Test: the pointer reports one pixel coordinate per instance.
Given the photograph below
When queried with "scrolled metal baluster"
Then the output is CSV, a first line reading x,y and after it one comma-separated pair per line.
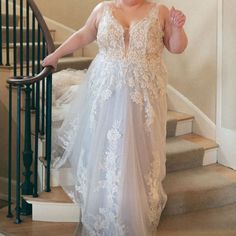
x,y
27,186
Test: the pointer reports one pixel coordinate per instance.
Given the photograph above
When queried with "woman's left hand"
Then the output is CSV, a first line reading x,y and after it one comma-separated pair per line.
x,y
177,18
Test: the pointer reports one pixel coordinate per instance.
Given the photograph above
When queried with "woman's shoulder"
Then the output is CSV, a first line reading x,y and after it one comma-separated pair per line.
x,y
101,5
163,12
163,8
98,10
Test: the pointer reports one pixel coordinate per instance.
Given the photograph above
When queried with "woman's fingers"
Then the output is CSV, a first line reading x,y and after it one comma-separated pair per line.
x,y
177,17
50,60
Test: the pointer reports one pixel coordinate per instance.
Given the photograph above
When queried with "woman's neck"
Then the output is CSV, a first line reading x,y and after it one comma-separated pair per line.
x,y
129,3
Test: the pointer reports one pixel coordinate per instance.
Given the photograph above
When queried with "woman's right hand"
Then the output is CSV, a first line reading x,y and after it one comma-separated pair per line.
x,y
50,60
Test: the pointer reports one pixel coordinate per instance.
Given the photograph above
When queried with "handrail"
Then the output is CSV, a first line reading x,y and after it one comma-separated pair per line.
x,y
24,80
50,46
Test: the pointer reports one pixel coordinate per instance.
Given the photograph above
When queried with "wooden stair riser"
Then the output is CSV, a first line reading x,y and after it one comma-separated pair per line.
x,y
11,20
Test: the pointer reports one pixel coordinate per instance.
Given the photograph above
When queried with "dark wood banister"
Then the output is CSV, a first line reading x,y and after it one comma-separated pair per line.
x,y
50,47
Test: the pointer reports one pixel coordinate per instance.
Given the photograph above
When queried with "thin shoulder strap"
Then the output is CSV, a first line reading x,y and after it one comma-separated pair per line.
x,y
155,10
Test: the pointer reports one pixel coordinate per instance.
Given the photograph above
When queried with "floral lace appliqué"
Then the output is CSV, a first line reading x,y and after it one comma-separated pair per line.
x,y
155,196
108,217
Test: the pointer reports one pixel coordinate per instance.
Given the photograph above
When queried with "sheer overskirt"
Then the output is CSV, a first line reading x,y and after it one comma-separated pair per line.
x,y
112,140
116,164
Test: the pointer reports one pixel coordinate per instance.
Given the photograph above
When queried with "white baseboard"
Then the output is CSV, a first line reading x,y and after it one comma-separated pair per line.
x,y
202,125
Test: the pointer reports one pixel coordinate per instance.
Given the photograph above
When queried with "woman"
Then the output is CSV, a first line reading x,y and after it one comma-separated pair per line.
x,y
114,136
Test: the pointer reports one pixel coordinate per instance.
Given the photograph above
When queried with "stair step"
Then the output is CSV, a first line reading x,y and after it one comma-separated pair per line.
x,y
178,123
57,195
189,151
204,142
218,221
199,188
47,205
181,159
188,191
11,20
18,49
11,34
77,63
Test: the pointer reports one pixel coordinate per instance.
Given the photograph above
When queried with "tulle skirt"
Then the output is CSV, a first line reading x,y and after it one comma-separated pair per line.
x,y
116,163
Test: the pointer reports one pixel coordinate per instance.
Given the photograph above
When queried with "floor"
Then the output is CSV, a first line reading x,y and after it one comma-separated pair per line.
x,y
212,222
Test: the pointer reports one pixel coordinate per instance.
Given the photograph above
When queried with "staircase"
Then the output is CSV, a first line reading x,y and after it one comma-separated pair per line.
x,y
194,180
24,41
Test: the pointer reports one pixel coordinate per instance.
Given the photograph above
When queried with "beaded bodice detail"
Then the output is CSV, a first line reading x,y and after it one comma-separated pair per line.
x,y
143,40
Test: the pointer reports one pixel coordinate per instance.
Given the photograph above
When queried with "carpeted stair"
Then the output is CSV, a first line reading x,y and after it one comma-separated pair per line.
x,y
183,154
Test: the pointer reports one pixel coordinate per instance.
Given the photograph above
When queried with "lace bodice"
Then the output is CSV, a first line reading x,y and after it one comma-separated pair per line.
x,y
132,63
143,40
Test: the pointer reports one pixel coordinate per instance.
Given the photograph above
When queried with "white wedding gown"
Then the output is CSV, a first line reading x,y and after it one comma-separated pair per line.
x,y
113,135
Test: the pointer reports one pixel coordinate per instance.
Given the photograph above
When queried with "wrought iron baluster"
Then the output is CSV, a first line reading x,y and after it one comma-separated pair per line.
x,y
27,186
9,214
33,62
27,39
42,129
18,155
7,35
48,129
14,39
21,38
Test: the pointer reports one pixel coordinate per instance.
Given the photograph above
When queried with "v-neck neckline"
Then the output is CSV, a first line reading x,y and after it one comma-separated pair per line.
x,y
132,25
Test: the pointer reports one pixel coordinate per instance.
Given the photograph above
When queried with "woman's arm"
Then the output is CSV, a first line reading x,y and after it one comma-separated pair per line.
x,y
79,39
175,38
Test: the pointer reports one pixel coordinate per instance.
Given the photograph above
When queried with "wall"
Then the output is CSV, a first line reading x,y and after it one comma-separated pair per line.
x,y
229,68
194,73
72,13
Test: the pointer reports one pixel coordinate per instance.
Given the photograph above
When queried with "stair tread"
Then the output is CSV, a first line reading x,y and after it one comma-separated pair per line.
x,y
57,195
206,143
214,176
219,221
11,45
179,116
74,59
24,28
